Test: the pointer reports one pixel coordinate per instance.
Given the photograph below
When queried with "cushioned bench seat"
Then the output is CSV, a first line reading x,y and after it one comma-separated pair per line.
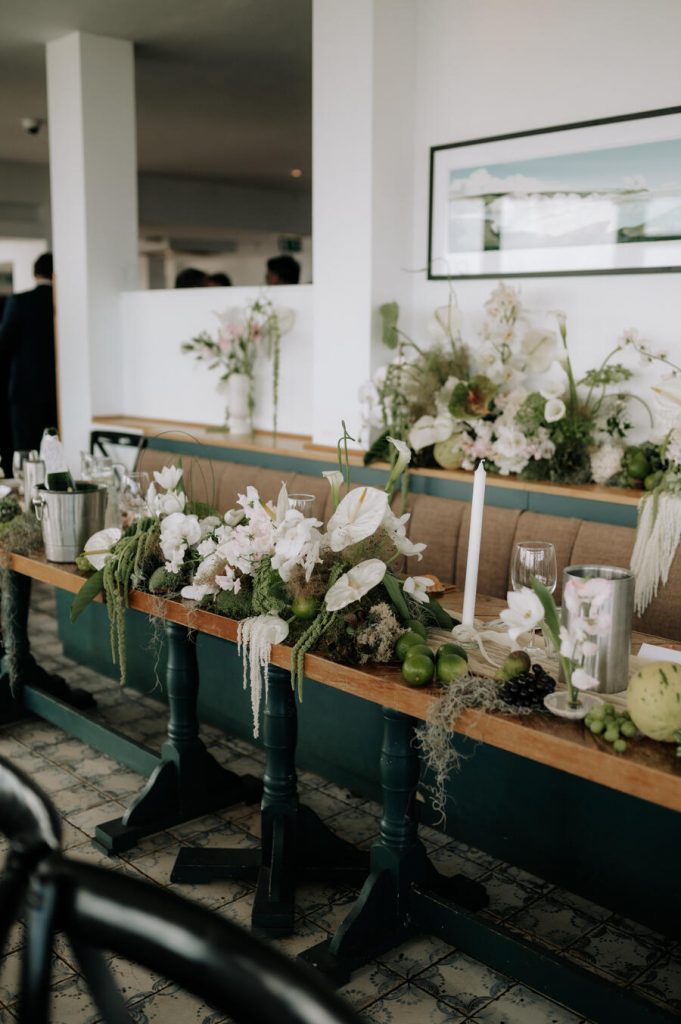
x,y
442,524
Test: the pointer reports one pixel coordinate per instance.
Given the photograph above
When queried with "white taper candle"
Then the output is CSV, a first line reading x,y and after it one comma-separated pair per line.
x,y
474,538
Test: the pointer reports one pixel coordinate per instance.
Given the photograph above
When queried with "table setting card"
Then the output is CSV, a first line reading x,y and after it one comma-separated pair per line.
x,y
651,652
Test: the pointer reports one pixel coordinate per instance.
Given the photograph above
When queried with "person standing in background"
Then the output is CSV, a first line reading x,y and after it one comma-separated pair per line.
x,y
5,423
282,270
27,348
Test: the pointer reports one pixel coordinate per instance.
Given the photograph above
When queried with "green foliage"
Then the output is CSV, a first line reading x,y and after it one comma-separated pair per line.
x,y
396,596
379,451
163,582
9,508
234,606
530,415
269,593
390,312
570,462
202,509
20,535
602,376
87,593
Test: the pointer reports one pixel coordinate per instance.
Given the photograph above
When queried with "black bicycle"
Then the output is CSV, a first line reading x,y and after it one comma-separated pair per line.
x,y
100,910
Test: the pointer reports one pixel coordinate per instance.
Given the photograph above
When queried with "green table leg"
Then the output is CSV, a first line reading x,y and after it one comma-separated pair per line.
x,y
189,781
295,843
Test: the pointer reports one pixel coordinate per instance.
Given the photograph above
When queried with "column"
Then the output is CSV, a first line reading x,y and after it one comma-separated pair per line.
x,y
93,171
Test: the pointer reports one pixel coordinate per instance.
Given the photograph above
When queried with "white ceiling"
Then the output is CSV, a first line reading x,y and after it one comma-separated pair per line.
x,y
223,86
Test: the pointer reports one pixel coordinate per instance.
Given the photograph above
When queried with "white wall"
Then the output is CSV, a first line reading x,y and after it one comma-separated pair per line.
x,y
488,67
161,382
22,253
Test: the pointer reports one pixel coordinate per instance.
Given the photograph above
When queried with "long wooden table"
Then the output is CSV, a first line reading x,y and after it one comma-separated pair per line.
x,y
402,892
649,771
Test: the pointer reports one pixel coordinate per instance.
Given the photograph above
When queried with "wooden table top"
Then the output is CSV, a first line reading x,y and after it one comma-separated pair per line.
x,y
649,771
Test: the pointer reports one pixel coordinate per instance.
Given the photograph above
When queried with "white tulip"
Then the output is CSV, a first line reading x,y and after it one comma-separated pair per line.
x,y
169,477
417,587
524,612
353,585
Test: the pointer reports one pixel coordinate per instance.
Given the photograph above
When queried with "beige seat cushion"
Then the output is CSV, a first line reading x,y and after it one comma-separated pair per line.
x,y
435,522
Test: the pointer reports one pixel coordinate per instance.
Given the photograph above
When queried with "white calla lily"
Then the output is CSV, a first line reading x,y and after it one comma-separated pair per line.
x,y
335,478
554,410
357,517
353,585
524,612
403,454
98,547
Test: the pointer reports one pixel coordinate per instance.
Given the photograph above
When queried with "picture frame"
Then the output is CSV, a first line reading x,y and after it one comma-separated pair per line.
x,y
591,197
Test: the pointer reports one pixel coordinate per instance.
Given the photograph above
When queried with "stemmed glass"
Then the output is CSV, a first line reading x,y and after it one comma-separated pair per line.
x,y
18,459
530,559
304,503
133,498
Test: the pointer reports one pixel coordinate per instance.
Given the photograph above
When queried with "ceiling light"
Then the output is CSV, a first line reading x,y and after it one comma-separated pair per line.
x,y
296,172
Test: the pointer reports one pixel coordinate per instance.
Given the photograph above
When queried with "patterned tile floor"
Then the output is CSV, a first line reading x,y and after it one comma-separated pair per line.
x,y
423,982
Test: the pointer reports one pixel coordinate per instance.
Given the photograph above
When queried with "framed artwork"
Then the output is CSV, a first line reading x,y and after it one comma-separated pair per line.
x,y
598,197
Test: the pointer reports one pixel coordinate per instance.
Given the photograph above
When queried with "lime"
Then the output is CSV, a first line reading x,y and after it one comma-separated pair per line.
x,y
637,464
420,649
406,641
608,709
305,607
598,711
457,649
652,480
451,667
417,627
417,671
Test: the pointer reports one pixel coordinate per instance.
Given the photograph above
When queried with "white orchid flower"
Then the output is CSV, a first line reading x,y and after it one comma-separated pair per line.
x,y
297,543
396,528
539,348
229,580
233,517
178,532
582,680
429,430
353,585
98,547
417,587
554,410
357,517
524,612
335,478
169,477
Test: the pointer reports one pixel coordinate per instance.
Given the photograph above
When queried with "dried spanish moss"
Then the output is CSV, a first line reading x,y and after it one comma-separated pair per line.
x,y
434,738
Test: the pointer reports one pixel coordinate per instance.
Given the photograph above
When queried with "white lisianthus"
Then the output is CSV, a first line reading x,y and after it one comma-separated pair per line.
x,y
335,479
207,547
297,543
396,528
430,429
524,612
353,585
539,348
98,547
606,462
417,587
357,517
554,410
168,478
510,450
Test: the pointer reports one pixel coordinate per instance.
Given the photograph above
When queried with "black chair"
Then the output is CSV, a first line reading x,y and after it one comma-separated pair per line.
x,y
98,910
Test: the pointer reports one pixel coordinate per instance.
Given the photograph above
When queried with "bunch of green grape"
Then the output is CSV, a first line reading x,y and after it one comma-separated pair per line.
x,y
613,726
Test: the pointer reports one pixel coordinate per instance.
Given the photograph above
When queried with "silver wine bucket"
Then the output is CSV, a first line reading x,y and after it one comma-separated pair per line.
x,y
69,518
610,661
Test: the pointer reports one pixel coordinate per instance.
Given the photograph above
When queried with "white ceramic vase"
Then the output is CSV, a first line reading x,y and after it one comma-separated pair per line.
x,y
237,388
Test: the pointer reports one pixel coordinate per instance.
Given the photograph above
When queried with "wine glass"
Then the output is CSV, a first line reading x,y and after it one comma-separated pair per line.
x,y
133,498
534,558
18,459
304,503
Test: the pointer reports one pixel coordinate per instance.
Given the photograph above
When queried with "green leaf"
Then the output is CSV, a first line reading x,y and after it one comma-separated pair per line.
x,y
390,312
394,589
441,616
550,613
379,451
87,593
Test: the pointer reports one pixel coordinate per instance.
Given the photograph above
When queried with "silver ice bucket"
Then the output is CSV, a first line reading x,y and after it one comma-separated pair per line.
x,y
69,518
609,661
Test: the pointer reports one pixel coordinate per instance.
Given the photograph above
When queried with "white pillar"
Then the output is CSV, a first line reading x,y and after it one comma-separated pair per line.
x,y
93,172
363,109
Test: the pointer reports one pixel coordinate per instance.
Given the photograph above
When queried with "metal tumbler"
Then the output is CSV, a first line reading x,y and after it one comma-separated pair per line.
x,y
610,662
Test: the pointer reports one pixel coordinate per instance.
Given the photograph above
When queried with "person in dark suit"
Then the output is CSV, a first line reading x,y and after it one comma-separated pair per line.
x,y
6,448
27,346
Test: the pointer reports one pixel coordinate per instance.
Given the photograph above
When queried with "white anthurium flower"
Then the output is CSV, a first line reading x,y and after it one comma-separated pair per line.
x,y
554,410
582,680
169,477
396,528
417,587
430,429
357,517
98,547
539,348
524,612
335,479
353,585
